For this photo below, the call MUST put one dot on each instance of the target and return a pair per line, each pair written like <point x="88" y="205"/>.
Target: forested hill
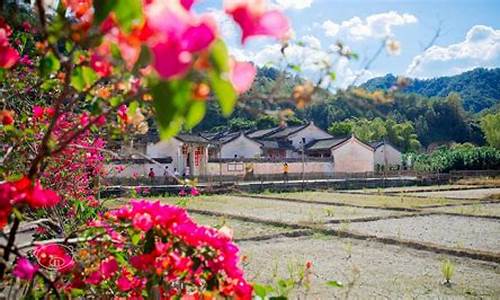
<point x="479" y="88"/>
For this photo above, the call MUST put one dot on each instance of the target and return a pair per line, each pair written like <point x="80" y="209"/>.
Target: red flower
<point x="6" y="117"/>
<point x="100" y="65"/>
<point x="8" y="55"/>
<point x="54" y="256"/>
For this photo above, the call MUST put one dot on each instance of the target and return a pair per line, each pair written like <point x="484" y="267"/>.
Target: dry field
<point x="379" y="245"/>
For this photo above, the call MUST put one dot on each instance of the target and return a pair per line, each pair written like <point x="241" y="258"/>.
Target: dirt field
<point x="381" y="250"/>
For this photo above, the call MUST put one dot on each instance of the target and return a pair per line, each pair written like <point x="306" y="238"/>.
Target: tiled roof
<point x="285" y="132"/>
<point x="192" y="138"/>
<point x="325" y="144"/>
<point x="261" y="133"/>
<point x="276" y="144"/>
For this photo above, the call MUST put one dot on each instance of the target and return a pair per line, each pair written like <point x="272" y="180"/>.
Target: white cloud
<point x="373" y="26"/>
<point x="227" y="27"/>
<point x="294" y="4"/>
<point x="481" y="48"/>
<point x="331" y="28"/>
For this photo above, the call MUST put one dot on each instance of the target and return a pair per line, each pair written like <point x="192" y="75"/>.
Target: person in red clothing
<point x="151" y="174"/>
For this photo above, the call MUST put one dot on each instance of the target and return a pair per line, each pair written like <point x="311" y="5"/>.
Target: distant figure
<point x="176" y="173"/>
<point x="166" y="175"/>
<point x="285" y="172"/>
<point x="151" y="174"/>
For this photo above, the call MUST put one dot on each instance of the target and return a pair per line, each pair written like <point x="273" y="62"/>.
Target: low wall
<point x="227" y="168"/>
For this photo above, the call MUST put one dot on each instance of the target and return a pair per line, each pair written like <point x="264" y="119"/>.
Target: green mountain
<point x="479" y="88"/>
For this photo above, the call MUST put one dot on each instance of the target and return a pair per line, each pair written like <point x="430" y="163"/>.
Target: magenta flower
<point x="24" y="269"/>
<point x="255" y="20"/>
<point x="143" y="222"/>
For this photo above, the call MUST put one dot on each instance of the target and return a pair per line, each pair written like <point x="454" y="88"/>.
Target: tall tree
<point x="490" y="124"/>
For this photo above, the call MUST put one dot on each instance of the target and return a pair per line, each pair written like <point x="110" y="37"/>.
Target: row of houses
<point x="266" y="150"/>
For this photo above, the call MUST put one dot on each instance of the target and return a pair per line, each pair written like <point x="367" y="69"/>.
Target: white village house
<point x="305" y="148"/>
<point x="386" y="155"/>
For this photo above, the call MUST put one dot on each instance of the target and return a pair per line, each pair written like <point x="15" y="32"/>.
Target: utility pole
<point x="303" y="162"/>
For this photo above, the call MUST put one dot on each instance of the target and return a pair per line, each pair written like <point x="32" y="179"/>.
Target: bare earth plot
<point x="379" y="201"/>
<point x="452" y="231"/>
<point x="381" y="252"/>
<point x="484" y="209"/>
<point x="242" y="229"/>
<point x="385" y="271"/>
<point x="279" y="211"/>
<point x="465" y="194"/>
<point x="405" y="189"/>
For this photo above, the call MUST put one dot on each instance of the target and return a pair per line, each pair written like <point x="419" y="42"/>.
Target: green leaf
<point x="136" y="238"/>
<point x="128" y="13"/>
<point x="82" y="78"/>
<point x="132" y="108"/>
<point x="262" y="290"/>
<point x="2" y="74"/>
<point x="102" y="8"/>
<point x="332" y="75"/>
<point x="195" y="113"/>
<point x="219" y="56"/>
<point x="335" y="283"/>
<point x="219" y="78"/>
<point x="224" y="90"/>
<point x="295" y="68"/>
<point x="170" y="99"/>
<point x="143" y="60"/>
<point x="49" y="64"/>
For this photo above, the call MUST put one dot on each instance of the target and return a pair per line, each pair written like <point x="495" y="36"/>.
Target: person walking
<point x="151" y="175"/>
<point x="285" y="172"/>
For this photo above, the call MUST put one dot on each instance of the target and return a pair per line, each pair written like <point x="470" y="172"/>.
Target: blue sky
<point x="470" y="35"/>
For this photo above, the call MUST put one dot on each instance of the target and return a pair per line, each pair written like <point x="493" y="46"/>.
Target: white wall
<point x="242" y="147"/>
<point x="353" y="156"/>
<point x="390" y="153"/>
<point x="168" y="148"/>
<point x="311" y="132"/>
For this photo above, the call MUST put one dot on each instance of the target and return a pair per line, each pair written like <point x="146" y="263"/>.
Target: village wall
<point x="261" y="168"/>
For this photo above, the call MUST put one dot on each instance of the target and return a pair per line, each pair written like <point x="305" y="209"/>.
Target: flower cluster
<point x="160" y="246"/>
<point x="24" y="191"/>
<point x="8" y="55"/>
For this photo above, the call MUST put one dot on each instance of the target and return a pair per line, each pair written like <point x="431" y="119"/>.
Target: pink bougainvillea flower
<point x="8" y="57"/>
<point x="109" y="267"/>
<point x="179" y="35"/>
<point x="255" y="20"/>
<point x="170" y="60"/>
<point x="242" y="75"/>
<point x="100" y="65"/>
<point x="40" y="197"/>
<point x="195" y="192"/>
<point x="54" y="256"/>
<point x="37" y="112"/>
<point x="143" y="222"/>
<point x="122" y="113"/>
<point x="24" y="269"/>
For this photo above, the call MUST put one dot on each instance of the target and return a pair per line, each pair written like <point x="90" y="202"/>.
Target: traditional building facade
<point x="386" y="156"/>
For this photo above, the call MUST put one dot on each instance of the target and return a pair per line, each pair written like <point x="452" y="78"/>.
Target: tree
<point x="343" y="128"/>
<point x="490" y="125"/>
